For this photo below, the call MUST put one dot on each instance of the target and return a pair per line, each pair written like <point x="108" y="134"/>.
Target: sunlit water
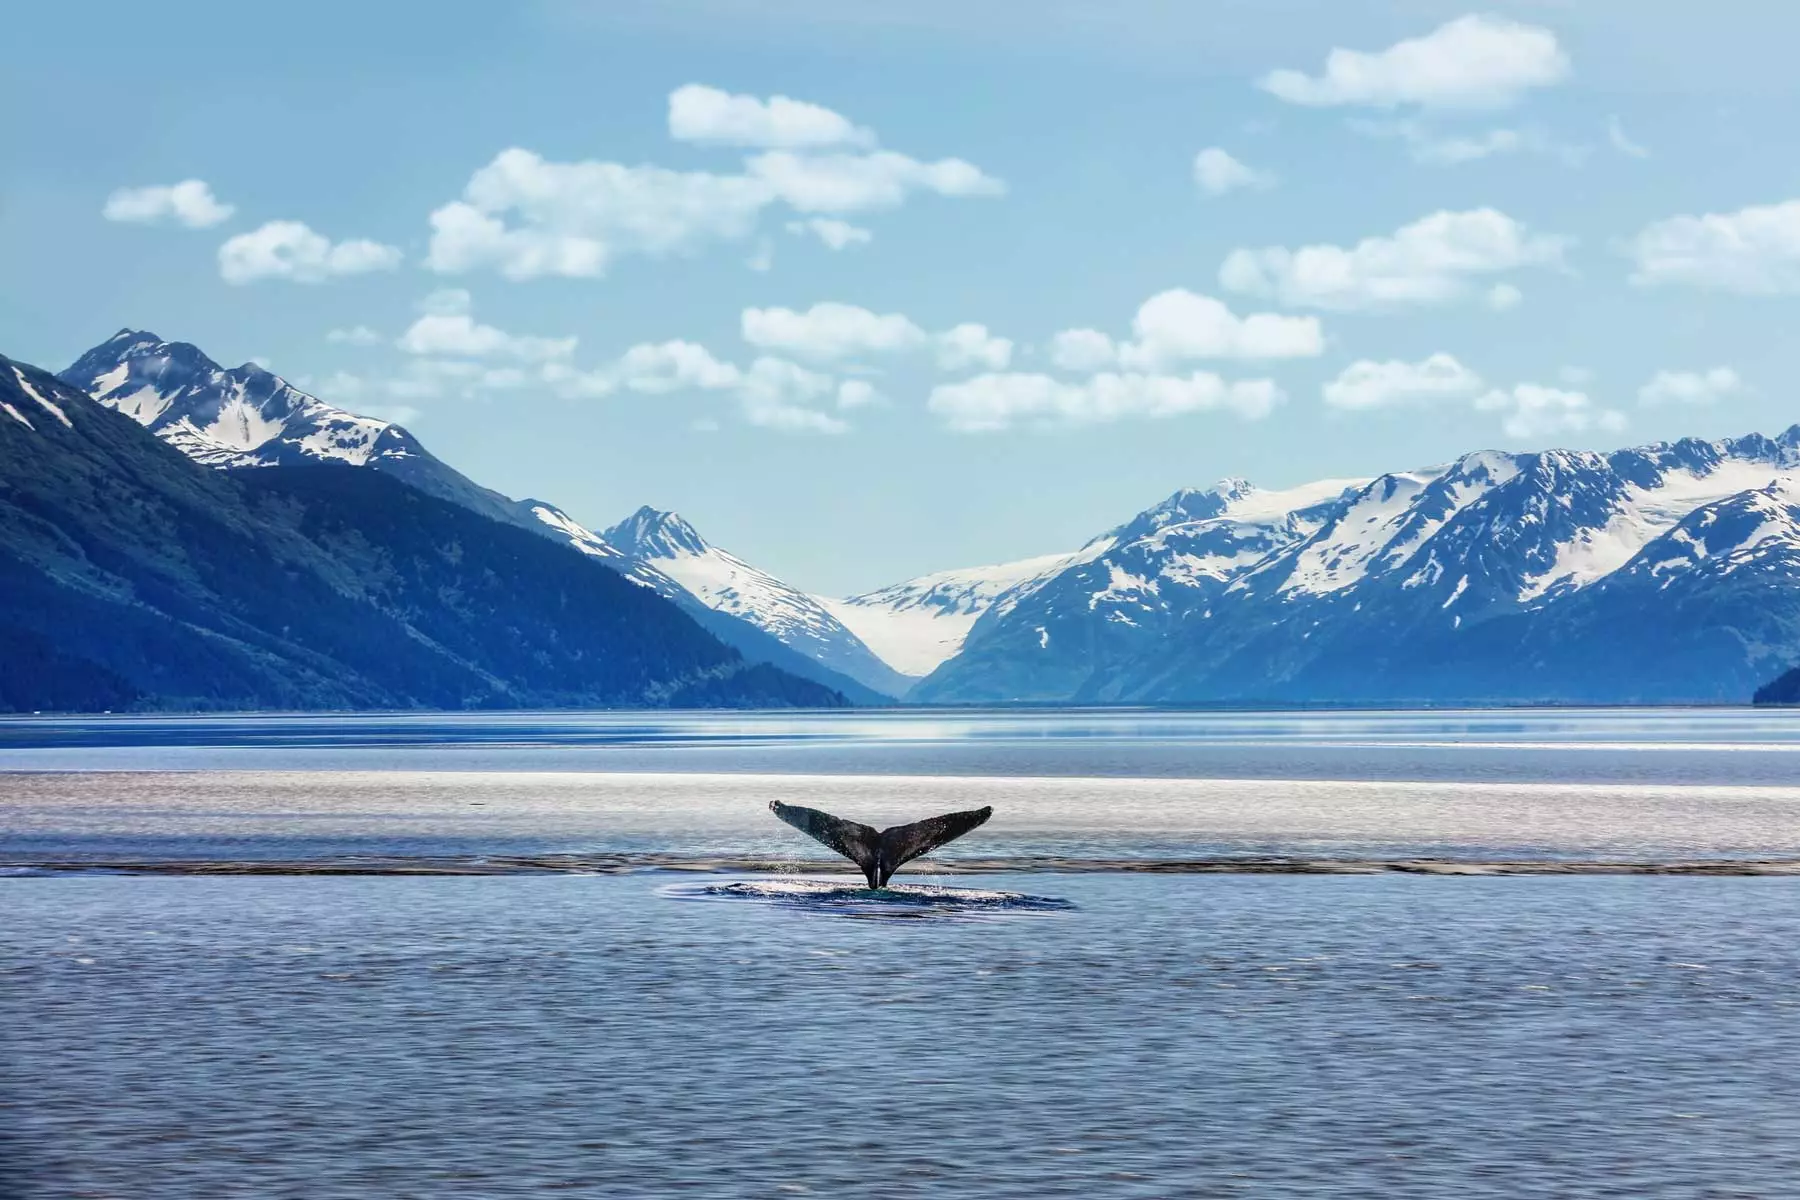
<point x="744" y="1026"/>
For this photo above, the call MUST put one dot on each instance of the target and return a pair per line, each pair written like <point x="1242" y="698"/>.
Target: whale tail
<point x="880" y="854"/>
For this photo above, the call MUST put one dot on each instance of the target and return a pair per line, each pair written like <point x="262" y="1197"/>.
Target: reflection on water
<point x="1725" y="745"/>
<point x="902" y="901"/>
<point x="624" y="819"/>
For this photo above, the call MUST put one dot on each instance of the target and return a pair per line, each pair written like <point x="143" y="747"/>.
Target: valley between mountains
<point x="187" y="535"/>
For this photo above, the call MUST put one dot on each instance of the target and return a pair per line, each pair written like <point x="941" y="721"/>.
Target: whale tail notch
<point x="880" y="853"/>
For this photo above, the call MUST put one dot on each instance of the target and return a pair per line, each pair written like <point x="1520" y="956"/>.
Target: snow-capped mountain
<point x="1556" y="575"/>
<point x="132" y="577"/>
<point x="248" y="417"/>
<point x="726" y="583"/>
<point x="916" y="625"/>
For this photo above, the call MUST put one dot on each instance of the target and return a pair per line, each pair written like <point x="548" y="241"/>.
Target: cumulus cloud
<point x="1531" y="410"/>
<point x="993" y="402"/>
<point x="190" y="203"/>
<point x="847" y="183"/>
<point x="673" y="366"/>
<point x="527" y="216"/>
<point x="446" y="329"/>
<point x="1473" y="62"/>
<point x="698" y="113"/>
<point x="1432" y="261"/>
<point x="829" y="331"/>
<point x="1180" y="326"/>
<point x="356" y="335"/>
<point x="1754" y="250"/>
<point x="1691" y="387"/>
<point x="770" y="392"/>
<point x="572" y="218"/>
<point x="835" y="234"/>
<point x="1083" y="350"/>
<point x="1369" y="385"/>
<point x="971" y="345"/>
<point x="290" y="250"/>
<point x="1217" y="173"/>
<point x="778" y="394"/>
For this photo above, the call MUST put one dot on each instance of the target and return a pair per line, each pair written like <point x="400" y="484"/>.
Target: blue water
<point x="1288" y="1036"/>
<point x="1705" y="746"/>
<point x="709" y="1031"/>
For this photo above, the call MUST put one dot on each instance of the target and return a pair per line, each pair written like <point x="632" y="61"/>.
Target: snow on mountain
<point x="242" y="417"/>
<point x="1417" y="585"/>
<point x="916" y="625"/>
<point x="726" y="583"/>
<point x="248" y="417"/>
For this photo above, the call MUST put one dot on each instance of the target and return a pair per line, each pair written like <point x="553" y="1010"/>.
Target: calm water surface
<point x="996" y="1034"/>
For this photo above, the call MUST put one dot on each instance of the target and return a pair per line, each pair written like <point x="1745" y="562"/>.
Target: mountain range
<point x="1662" y="573"/>
<point x="134" y="577"/>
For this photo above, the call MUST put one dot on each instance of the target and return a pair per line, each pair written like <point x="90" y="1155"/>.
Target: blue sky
<point x="973" y="291"/>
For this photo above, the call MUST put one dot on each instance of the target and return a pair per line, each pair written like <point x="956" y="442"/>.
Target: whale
<point x="879" y="853"/>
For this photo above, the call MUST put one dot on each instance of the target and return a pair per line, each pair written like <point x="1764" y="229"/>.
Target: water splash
<point x="908" y="901"/>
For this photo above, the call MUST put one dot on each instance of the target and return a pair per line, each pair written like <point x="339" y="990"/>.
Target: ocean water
<point x="575" y="955"/>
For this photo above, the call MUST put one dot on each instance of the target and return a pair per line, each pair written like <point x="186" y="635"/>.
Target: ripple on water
<point x="905" y="901"/>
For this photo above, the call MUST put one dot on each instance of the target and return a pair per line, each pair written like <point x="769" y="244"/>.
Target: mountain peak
<point x="655" y="533"/>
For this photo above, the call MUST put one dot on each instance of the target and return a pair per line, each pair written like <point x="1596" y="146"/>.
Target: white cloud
<point x="1083" y="350"/>
<point x="971" y="345"/>
<point x="1615" y="134"/>
<point x="1691" y="387"/>
<point x="190" y="203"/>
<point x="764" y="258"/>
<point x="771" y="392"/>
<point x="698" y="113"/>
<point x="1369" y="385"/>
<point x="572" y="218"/>
<point x="845" y="183"/>
<point x="1754" y="250"/>
<point x="776" y="394"/>
<point x="1180" y="326"/>
<point x="674" y="366"/>
<point x="1427" y="144"/>
<point x="829" y="330"/>
<point x="1504" y="297"/>
<point x="528" y="217"/>
<point x="289" y="250"/>
<point x="1217" y="173"/>
<point x="857" y="393"/>
<point x="1532" y="410"/>
<point x="994" y="402"/>
<point x="836" y="234"/>
<point x="460" y="336"/>
<point x="1431" y="261"/>
<point x="1470" y="63"/>
<point x="356" y="335"/>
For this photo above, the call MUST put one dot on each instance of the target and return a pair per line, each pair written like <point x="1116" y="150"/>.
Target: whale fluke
<point x="880" y="854"/>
